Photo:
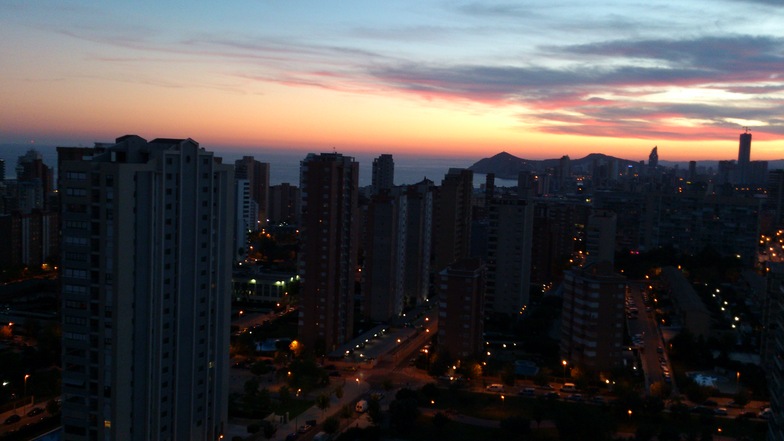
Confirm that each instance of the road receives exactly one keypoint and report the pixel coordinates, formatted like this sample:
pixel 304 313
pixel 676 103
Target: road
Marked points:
pixel 646 326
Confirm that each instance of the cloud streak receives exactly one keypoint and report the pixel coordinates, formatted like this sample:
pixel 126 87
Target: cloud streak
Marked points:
pixel 738 77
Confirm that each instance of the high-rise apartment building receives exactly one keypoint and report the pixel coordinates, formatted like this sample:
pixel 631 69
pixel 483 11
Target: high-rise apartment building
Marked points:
pixel 773 349
pixel 257 173
pixel 510 234
pixel 383 177
pixel 246 217
pixel 284 204
pixel 419 230
pixel 452 218
pixel 600 237
pixel 34 177
pixel 329 184
pixel 383 274
pixel 592 317
pixel 593 302
pixel 744 158
pixel 461 288
pixel 146 278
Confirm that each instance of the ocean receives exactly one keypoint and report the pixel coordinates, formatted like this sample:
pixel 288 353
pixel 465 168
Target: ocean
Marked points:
pixel 284 165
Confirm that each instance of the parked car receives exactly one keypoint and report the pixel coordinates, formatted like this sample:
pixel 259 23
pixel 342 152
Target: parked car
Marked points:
pixel 528 391
pixel 35 411
pixel 495 387
pixel 12 419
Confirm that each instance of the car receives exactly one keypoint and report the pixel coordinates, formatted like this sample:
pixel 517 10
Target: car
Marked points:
pixel 12 419
pixel 528 391
pixel 765 414
pixel 35 411
pixel 304 428
pixel 720 411
pixel 702 410
pixel 292 436
pixel 659 349
pixel 598 399
pixel 495 387
pixel 547 386
pixel 552 395
pixel 575 397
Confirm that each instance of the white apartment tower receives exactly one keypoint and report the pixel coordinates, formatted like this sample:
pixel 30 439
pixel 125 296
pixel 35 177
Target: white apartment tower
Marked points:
pixel 146 273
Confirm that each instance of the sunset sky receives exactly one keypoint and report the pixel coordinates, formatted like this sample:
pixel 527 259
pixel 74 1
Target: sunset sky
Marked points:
pixel 537 79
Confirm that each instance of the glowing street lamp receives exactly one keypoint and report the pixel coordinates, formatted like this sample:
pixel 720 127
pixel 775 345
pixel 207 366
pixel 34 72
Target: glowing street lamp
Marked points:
pixel 564 369
pixel 25 391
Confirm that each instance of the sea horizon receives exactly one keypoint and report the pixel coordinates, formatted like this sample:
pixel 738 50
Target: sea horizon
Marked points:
pixel 284 165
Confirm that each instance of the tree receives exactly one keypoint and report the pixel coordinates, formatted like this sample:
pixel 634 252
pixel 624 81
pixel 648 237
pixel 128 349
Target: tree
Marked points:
pixel 403 413
pixel 374 411
pixel 440 420
pixel 331 425
pixel 742 397
pixel 251 387
pixel 347 412
pixel 430 391
pixel 322 401
pixel 542 377
pixel 339 392
pixel 284 395
pixel 53 407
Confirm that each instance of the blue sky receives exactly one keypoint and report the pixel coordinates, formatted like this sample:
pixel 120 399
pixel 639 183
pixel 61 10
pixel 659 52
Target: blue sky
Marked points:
pixel 535 78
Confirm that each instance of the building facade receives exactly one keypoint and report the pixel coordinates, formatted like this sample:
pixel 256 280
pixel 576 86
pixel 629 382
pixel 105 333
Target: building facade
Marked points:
pixel 593 314
pixel 383 274
pixel 383 177
pixel 258 174
pixel 329 231
pixel 146 279
pixel 461 288
pixel 284 204
pixel 510 234
pixel 452 218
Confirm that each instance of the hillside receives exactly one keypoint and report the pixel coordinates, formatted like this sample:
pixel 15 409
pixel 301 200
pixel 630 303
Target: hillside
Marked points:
pixel 508 166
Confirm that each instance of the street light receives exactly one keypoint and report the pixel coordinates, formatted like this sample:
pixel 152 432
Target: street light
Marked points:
pixel 25 392
pixel 564 370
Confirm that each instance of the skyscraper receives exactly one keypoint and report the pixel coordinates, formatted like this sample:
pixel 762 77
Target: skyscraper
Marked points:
pixel 653 159
pixel 773 349
pixel 461 288
pixel 383 274
pixel 593 301
pixel 146 279
pixel 284 203
pixel 328 258
pixel 509 255
pixel 419 233
pixel 257 173
pixel 452 218
pixel 744 157
pixel 383 174
pixel 246 217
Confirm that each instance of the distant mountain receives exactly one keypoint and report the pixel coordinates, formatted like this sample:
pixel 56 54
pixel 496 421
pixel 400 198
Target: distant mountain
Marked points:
pixel 508 166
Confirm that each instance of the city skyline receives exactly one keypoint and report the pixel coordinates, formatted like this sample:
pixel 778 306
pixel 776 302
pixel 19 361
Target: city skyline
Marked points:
pixel 440 79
